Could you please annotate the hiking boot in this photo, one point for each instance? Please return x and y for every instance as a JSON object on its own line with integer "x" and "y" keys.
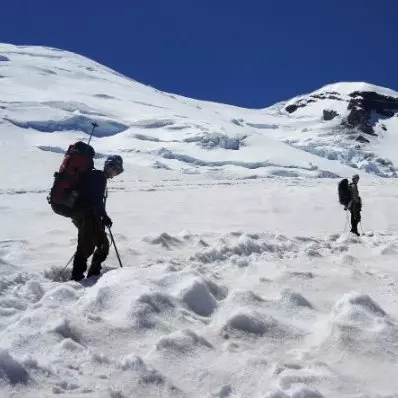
{"x": 79, "y": 268}
{"x": 76, "y": 277}
{"x": 95, "y": 270}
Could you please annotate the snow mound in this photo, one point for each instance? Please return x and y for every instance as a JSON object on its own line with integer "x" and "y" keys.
{"x": 360, "y": 325}
{"x": 224, "y": 392}
{"x": 388, "y": 249}
{"x": 245, "y": 297}
{"x": 71, "y": 345}
{"x": 182, "y": 342}
{"x": 59, "y": 295}
{"x": 132, "y": 362}
{"x": 253, "y": 323}
{"x": 32, "y": 291}
{"x": 196, "y": 294}
{"x": 56, "y": 274}
{"x": 146, "y": 374}
{"x": 294, "y": 299}
{"x": 66, "y": 329}
{"x": 298, "y": 275}
{"x": 348, "y": 259}
{"x": 246, "y": 246}
{"x": 166, "y": 240}
{"x": 152, "y": 310}
{"x": 358, "y": 301}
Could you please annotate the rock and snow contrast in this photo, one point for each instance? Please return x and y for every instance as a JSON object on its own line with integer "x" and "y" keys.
{"x": 240, "y": 278}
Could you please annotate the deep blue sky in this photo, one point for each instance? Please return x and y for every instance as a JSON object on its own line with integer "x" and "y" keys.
{"x": 250, "y": 53}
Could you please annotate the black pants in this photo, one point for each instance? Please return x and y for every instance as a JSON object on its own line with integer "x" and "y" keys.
{"x": 91, "y": 239}
{"x": 355, "y": 217}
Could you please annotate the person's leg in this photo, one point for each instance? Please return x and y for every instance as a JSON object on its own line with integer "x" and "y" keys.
{"x": 101, "y": 251}
{"x": 354, "y": 221}
{"x": 85, "y": 247}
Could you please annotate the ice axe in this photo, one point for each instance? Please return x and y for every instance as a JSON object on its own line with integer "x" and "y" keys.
{"x": 94, "y": 124}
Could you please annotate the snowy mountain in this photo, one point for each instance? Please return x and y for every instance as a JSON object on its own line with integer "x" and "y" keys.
{"x": 45, "y": 91}
{"x": 239, "y": 276}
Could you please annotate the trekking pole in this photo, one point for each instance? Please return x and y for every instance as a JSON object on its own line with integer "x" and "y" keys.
{"x": 114, "y": 244}
{"x": 62, "y": 271}
{"x": 92, "y": 131}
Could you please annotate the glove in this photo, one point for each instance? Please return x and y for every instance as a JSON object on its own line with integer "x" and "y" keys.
{"x": 107, "y": 221}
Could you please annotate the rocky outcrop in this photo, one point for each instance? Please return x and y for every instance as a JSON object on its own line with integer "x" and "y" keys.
{"x": 360, "y": 118}
{"x": 362, "y": 139}
{"x": 329, "y": 114}
{"x": 301, "y": 103}
{"x": 328, "y": 95}
{"x": 293, "y": 108}
{"x": 365, "y": 107}
{"x": 364, "y": 104}
{"x": 370, "y": 100}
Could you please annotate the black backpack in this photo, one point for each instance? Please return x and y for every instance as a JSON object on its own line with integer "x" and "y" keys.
{"x": 344, "y": 192}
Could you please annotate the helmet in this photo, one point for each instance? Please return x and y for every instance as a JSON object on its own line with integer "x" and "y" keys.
{"x": 355, "y": 177}
{"x": 115, "y": 162}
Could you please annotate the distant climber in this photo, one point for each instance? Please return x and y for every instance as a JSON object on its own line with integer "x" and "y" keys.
{"x": 355, "y": 204}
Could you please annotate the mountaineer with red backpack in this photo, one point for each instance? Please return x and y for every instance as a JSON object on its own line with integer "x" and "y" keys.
{"x": 90, "y": 218}
{"x": 79, "y": 193}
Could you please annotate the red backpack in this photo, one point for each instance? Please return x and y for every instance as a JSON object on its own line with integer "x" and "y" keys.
{"x": 78, "y": 160}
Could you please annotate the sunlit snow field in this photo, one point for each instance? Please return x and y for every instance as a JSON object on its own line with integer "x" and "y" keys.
{"x": 239, "y": 278}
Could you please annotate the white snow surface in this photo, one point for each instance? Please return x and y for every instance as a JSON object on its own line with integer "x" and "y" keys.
{"x": 239, "y": 278}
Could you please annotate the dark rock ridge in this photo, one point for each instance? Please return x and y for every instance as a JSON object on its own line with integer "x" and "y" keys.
{"x": 301, "y": 103}
{"x": 329, "y": 114}
{"x": 365, "y": 103}
{"x": 365, "y": 109}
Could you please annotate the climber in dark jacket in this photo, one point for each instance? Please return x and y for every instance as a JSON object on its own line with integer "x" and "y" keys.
{"x": 91, "y": 219}
{"x": 355, "y": 205}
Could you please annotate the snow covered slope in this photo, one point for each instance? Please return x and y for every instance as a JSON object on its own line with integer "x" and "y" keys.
{"x": 240, "y": 278}
{"x": 353, "y": 123}
{"x": 44, "y": 91}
